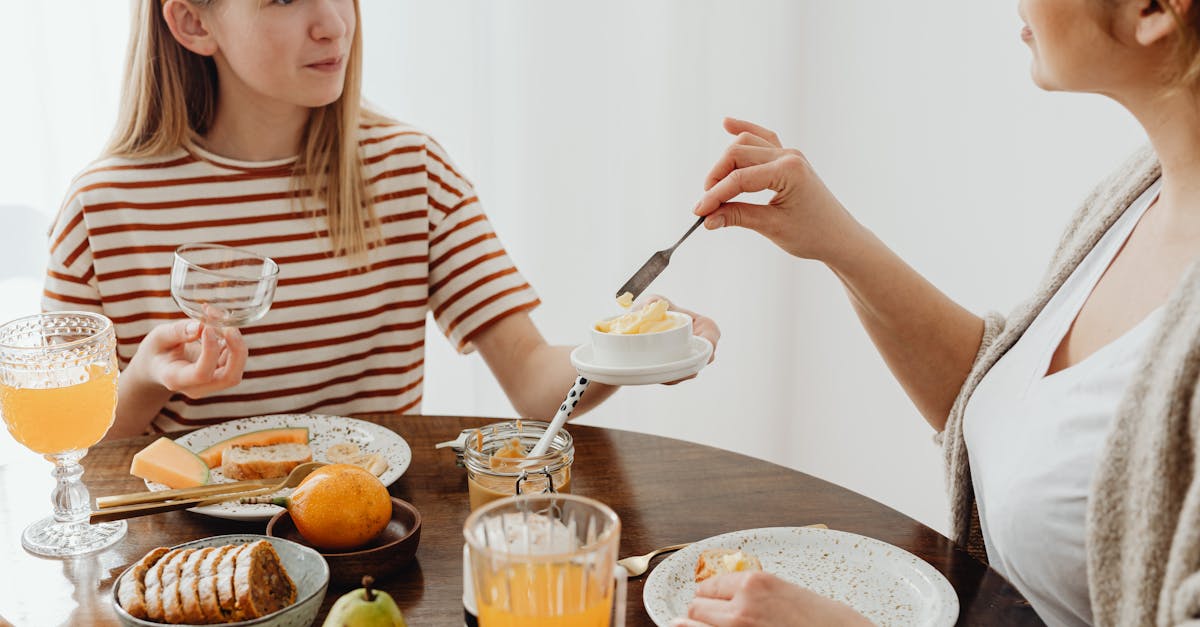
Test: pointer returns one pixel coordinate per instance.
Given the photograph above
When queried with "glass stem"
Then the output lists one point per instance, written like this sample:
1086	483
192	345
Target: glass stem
72	502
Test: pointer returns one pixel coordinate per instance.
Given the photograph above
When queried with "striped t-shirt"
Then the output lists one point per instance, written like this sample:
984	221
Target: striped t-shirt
337	340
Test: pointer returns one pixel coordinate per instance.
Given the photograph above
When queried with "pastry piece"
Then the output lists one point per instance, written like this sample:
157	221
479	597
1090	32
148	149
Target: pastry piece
260	583
172	609
132	593
715	562
154	607
189	591
224	582
206	585
263	462
350	453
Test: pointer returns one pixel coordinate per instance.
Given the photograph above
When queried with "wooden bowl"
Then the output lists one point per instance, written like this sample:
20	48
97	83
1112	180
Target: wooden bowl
387	553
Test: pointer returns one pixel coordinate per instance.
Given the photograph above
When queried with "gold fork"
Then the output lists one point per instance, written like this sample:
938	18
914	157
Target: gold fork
637	565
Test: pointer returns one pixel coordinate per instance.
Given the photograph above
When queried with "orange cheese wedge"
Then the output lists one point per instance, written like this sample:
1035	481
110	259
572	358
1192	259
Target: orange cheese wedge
170	464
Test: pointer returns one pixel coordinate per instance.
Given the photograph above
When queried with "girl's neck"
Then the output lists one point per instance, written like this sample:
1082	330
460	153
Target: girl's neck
248	128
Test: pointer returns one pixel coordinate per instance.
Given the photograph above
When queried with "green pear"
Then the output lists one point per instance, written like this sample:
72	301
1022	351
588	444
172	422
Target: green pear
365	608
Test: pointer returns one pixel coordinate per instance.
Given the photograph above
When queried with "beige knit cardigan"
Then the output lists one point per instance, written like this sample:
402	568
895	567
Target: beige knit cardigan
1143	519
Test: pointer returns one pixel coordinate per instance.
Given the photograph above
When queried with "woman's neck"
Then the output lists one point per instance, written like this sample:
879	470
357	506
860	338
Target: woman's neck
1172	123
249	128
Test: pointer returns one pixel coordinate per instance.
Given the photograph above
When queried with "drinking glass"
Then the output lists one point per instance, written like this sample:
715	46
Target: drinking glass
221	285
546	560
58	396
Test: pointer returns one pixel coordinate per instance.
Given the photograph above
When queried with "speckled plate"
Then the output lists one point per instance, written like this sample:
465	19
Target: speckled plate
323	432
888	585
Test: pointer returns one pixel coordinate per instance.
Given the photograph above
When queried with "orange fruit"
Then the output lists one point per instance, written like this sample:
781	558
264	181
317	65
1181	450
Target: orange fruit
340	507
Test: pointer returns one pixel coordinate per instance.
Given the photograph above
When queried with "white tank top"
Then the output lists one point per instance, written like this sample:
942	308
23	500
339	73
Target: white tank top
1034	441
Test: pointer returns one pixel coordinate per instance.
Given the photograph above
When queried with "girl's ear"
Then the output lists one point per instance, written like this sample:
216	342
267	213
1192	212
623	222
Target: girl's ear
1155	23
187	26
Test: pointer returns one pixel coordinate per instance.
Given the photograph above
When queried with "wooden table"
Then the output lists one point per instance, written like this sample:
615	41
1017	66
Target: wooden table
665	491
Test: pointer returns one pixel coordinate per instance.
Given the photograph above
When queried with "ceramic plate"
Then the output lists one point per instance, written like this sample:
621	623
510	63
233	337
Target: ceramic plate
307	569
701	350
888	585
323	431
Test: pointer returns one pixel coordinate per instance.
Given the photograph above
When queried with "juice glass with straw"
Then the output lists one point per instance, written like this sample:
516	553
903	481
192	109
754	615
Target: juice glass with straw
546	560
58	397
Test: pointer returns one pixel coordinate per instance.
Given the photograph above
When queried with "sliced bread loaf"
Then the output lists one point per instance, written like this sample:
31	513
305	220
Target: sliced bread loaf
263	462
260	582
132	593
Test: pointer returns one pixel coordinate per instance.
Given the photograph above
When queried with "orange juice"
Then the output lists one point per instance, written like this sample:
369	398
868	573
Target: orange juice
545	595
61	419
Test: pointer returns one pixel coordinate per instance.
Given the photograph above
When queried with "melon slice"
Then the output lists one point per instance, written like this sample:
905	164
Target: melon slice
265	437
171	464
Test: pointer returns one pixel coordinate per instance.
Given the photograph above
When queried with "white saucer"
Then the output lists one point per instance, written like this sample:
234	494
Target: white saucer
701	350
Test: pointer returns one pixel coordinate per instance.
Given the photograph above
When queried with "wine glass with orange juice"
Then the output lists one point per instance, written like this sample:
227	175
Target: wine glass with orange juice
58	397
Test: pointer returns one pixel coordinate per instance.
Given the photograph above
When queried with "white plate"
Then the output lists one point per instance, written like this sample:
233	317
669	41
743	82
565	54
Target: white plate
323	431
887	584
696	360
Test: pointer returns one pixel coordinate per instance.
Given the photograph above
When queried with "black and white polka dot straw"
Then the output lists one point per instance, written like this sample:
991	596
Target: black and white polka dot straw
560	417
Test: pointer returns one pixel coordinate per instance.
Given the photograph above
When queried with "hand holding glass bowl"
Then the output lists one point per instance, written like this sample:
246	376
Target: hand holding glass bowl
223	286
58	397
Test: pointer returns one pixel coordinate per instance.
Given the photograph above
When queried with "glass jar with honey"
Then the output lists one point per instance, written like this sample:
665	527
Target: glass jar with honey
498	465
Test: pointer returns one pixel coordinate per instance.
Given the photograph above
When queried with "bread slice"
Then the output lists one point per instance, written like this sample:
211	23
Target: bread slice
224	582
260	583
154	606
172	609
189	590
350	453
715	562
263	462
206	585
132	593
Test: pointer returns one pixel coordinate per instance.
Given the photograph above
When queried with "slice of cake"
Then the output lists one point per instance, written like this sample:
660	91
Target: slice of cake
263	462
715	562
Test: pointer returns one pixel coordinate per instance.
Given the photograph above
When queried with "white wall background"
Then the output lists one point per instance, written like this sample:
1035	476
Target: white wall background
588	128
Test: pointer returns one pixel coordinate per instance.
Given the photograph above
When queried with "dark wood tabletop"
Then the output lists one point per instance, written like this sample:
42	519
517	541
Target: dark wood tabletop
665	491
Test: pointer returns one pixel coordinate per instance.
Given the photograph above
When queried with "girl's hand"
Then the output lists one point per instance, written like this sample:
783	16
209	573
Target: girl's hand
804	218
752	599
171	357
702	326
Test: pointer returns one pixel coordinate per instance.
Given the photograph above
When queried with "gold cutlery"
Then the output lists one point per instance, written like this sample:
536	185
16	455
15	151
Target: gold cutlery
637	565
143	504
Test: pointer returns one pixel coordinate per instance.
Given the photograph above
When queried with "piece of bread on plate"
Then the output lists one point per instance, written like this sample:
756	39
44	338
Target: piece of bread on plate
263	462
715	562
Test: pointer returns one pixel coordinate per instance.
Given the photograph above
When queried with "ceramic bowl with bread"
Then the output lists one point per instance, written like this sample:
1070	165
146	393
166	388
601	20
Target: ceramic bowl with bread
240	579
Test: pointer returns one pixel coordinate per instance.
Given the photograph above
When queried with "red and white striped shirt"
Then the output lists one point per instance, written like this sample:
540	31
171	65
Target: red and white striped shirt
337	339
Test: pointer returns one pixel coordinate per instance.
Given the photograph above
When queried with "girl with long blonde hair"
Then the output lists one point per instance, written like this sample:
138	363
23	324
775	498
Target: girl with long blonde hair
242	124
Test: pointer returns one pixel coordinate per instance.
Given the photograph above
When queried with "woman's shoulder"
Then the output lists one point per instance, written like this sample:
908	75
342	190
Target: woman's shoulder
382	138
114	172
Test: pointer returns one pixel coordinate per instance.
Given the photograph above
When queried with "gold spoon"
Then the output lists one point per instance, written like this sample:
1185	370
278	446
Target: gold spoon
637	565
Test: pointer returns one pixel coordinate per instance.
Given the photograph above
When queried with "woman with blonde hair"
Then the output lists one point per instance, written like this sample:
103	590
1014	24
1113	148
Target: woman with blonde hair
1071	427
242	124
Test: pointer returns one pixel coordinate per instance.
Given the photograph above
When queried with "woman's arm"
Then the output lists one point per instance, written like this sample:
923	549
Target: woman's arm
928	341
536	375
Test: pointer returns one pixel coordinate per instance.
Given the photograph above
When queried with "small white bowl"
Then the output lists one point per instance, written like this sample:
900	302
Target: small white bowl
643	349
